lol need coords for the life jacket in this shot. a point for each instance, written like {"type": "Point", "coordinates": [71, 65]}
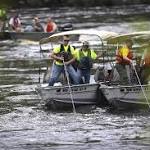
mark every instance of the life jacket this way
{"type": "Point", "coordinates": [120, 59]}
{"type": "Point", "coordinates": [15, 22]}
{"type": "Point", "coordinates": [147, 59]}
{"type": "Point", "coordinates": [85, 62]}
{"type": "Point", "coordinates": [49, 27]}
{"type": "Point", "coordinates": [66, 54]}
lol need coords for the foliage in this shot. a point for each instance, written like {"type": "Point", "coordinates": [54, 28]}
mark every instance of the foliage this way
{"type": "Point", "coordinates": [72, 3]}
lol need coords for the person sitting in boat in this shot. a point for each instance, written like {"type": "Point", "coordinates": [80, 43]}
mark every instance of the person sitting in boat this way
{"type": "Point", "coordinates": [84, 57]}
{"type": "Point", "coordinates": [51, 25]}
{"type": "Point", "coordinates": [64, 56]}
{"type": "Point", "coordinates": [107, 73]}
{"type": "Point", "coordinates": [15, 23]}
{"type": "Point", "coordinates": [145, 66]}
{"type": "Point", "coordinates": [37, 26]}
{"type": "Point", "coordinates": [124, 58]}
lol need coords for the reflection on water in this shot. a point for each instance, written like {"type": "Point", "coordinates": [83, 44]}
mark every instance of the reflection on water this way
{"type": "Point", "coordinates": [24, 125]}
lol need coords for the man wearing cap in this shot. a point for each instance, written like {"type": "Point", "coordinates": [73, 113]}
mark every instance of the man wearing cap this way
{"type": "Point", "coordinates": [64, 56]}
{"type": "Point", "coordinates": [84, 57]}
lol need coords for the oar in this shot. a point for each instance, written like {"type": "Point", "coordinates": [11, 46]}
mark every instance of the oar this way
{"type": "Point", "coordinates": [70, 90]}
{"type": "Point", "coordinates": [141, 86]}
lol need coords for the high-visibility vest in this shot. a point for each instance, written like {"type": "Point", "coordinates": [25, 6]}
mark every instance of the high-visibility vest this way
{"type": "Point", "coordinates": [66, 54]}
{"type": "Point", "coordinates": [120, 59]}
{"type": "Point", "coordinates": [85, 62]}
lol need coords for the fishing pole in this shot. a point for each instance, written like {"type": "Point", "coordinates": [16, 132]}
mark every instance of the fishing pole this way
{"type": "Point", "coordinates": [70, 90]}
{"type": "Point", "coordinates": [40, 65]}
{"type": "Point", "coordinates": [141, 86]}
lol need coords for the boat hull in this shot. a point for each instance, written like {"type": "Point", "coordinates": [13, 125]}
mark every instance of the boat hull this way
{"type": "Point", "coordinates": [33, 36]}
{"type": "Point", "coordinates": [127, 97]}
{"type": "Point", "coordinates": [4, 36]}
{"type": "Point", "coordinates": [63, 97]}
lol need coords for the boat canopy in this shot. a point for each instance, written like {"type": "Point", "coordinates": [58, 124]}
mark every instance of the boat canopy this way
{"type": "Point", "coordinates": [137, 37]}
{"type": "Point", "coordinates": [103, 35]}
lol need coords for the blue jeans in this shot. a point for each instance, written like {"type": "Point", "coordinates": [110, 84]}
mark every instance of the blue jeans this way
{"type": "Point", "coordinates": [58, 69]}
{"type": "Point", "coordinates": [84, 73]}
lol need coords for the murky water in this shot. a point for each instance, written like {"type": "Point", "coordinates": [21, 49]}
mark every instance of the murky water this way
{"type": "Point", "coordinates": [25, 125]}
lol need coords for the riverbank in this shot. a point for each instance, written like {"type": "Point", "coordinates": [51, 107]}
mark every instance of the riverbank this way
{"type": "Point", "coordinates": [79, 3]}
{"type": "Point", "coordinates": [74, 3]}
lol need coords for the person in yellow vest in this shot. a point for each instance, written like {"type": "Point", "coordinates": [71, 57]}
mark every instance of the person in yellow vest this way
{"type": "Point", "coordinates": [3, 18]}
{"type": "Point", "coordinates": [63, 56]}
{"type": "Point", "coordinates": [145, 66]}
{"type": "Point", "coordinates": [124, 58]}
{"type": "Point", "coordinates": [85, 57]}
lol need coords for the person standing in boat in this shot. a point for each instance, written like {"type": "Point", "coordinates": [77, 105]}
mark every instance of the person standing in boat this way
{"type": "Point", "coordinates": [85, 57]}
{"type": "Point", "coordinates": [3, 18]}
{"type": "Point", "coordinates": [64, 56]}
{"type": "Point", "coordinates": [51, 25]}
{"type": "Point", "coordinates": [145, 66]}
{"type": "Point", "coordinates": [15, 23]}
{"type": "Point", "coordinates": [124, 58]}
{"type": "Point", "coordinates": [37, 26]}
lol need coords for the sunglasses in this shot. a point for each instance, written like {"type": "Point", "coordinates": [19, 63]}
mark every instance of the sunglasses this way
{"type": "Point", "coordinates": [66, 40]}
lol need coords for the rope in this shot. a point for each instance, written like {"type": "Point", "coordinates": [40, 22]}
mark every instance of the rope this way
{"type": "Point", "coordinates": [141, 87]}
{"type": "Point", "coordinates": [70, 90]}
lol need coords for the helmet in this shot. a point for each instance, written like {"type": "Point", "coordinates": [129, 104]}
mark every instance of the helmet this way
{"type": "Point", "coordinates": [86, 43]}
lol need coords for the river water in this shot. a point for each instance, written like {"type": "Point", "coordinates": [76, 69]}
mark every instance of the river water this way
{"type": "Point", "coordinates": [24, 124]}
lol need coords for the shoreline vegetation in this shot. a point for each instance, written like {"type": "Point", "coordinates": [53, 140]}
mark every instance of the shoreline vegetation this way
{"type": "Point", "coordinates": [71, 3]}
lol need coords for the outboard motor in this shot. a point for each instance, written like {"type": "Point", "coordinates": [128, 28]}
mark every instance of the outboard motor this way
{"type": "Point", "coordinates": [65, 27]}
